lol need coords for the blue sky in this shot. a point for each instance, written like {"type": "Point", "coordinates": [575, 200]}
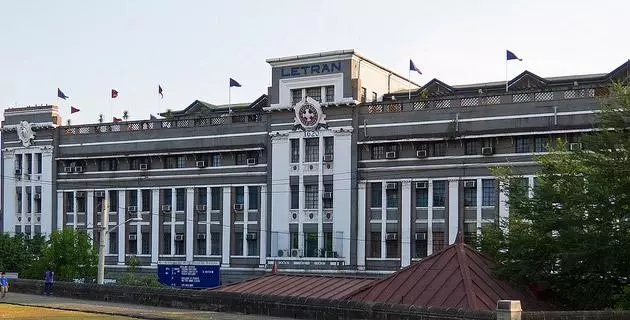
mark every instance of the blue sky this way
{"type": "Point", "coordinates": [192, 47]}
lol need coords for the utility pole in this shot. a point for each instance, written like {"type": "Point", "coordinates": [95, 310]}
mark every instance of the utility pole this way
{"type": "Point", "coordinates": [101, 237]}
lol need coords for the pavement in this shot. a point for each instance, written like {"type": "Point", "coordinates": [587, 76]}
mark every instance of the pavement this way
{"type": "Point", "coordinates": [122, 309]}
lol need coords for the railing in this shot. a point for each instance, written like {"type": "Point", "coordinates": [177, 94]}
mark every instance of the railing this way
{"type": "Point", "coordinates": [509, 98]}
{"type": "Point", "coordinates": [159, 124]}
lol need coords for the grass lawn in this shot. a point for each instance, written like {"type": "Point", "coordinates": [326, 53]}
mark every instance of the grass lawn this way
{"type": "Point", "coordinates": [9, 311]}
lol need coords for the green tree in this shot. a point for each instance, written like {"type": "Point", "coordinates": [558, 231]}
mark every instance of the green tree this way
{"type": "Point", "coordinates": [71, 255]}
{"type": "Point", "coordinates": [573, 235]}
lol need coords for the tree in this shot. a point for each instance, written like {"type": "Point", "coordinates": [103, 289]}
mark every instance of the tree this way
{"type": "Point", "coordinates": [572, 237]}
{"type": "Point", "coordinates": [168, 114]}
{"type": "Point", "coordinates": [71, 255]}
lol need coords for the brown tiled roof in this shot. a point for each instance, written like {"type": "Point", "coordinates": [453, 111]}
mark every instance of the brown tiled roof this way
{"type": "Point", "coordinates": [311, 286]}
{"type": "Point", "coordinates": [456, 277]}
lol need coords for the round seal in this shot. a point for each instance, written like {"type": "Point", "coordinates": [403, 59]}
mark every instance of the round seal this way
{"type": "Point", "coordinates": [308, 114]}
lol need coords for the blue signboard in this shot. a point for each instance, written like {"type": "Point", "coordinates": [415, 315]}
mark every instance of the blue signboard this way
{"type": "Point", "coordinates": [189, 276]}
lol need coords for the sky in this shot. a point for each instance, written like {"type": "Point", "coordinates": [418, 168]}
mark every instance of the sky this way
{"type": "Point", "coordinates": [191, 48]}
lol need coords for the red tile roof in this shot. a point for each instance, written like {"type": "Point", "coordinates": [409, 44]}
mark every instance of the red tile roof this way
{"type": "Point", "coordinates": [456, 277]}
{"type": "Point", "coordinates": [311, 286]}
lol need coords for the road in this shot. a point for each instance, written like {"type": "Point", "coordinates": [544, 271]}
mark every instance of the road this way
{"type": "Point", "coordinates": [130, 310]}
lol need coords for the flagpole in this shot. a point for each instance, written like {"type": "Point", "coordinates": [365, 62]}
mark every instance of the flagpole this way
{"type": "Point", "coordinates": [506, 75]}
{"type": "Point", "coordinates": [409, 83]}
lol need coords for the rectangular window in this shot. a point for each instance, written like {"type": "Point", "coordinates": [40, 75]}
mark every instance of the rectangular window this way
{"type": "Point", "coordinates": [471, 147]}
{"type": "Point", "coordinates": [171, 162]}
{"type": "Point", "coordinates": [238, 243]}
{"type": "Point", "coordinates": [29, 163]}
{"type": "Point", "coordinates": [422, 197]}
{"type": "Point", "coordinates": [179, 247]}
{"type": "Point", "coordinates": [181, 162]}
{"type": "Point", "coordinates": [18, 161]}
{"type": "Point", "coordinates": [239, 195]}
{"type": "Point", "coordinates": [375, 244]}
{"type": "Point", "coordinates": [363, 94]}
{"type": "Point", "coordinates": [215, 243]}
{"type": "Point", "coordinates": [133, 245]}
{"type": "Point", "coordinates": [19, 201]}
{"type": "Point", "coordinates": [113, 242]}
{"type": "Point", "coordinates": [38, 159]}
{"type": "Point", "coordinates": [133, 197]}
{"type": "Point", "coordinates": [201, 247]}
{"type": "Point", "coordinates": [421, 246]}
{"type": "Point", "coordinates": [315, 93]}
{"type": "Point", "coordinates": [376, 197]}
{"type": "Point", "coordinates": [134, 163]}
{"type": "Point", "coordinates": [146, 243]}
{"type": "Point", "coordinates": [470, 196]}
{"type": "Point", "coordinates": [107, 165]}
{"type": "Point", "coordinates": [241, 158]}
{"type": "Point", "coordinates": [167, 197]}
{"type": "Point", "coordinates": [311, 196]}
{"type": "Point", "coordinates": [69, 201]}
{"type": "Point", "coordinates": [329, 146]}
{"type": "Point", "coordinates": [80, 204]}
{"type": "Point", "coordinates": [29, 208]}
{"type": "Point", "coordinates": [215, 159]}
{"type": "Point", "coordinates": [202, 196]}
{"type": "Point", "coordinates": [295, 197]}
{"type": "Point", "coordinates": [374, 96]}
{"type": "Point", "coordinates": [296, 96]}
{"type": "Point", "coordinates": [113, 201]}
{"type": "Point", "coordinates": [216, 198]}
{"type": "Point", "coordinates": [311, 150]}
{"type": "Point", "coordinates": [330, 94]}
{"type": "Point", "coordinates": [254, 197]}
{"type": "Point", "coordinates": [252, 245]}
{"type": "Point", "coordinates": [392, 249]}
{"type": "Point", "coordinates": [146, 200]}
{"type": "Point", "coordinates": [522, 144]}
{"type": "Point", "coordinates": [295, 150]}
{"type": "Point", "coordinates": [392, 198]}
{"type": "Point", "coordinates": [180, 199]}
{"type": "Point", "coordinates": [327, 202]}
{"type": "Point", "coordinates": [378, 152]}
{"type": "Point", "coordinates": [540, 144]}
{"type": "Point", "coordinates": [38, 205]}
{"type": "Point", "coordinates": [439, 193]}
{"type": "Point", "coordinates": [294, 239]}
{"type": "Point", "coordinates": [439, 149]}
{"type": "Point", "coordinates": [489, 192]}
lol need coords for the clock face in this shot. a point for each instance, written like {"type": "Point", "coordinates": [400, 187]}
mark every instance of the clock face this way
{"type": "Point", "coordinates": [308, 115]}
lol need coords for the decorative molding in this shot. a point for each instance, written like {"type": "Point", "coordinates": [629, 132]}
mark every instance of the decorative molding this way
{"type": "Point", "coordinates": [36, 125]}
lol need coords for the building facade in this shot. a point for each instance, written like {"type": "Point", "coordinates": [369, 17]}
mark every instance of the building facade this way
{"type": "Point", "coordinates": [335, 169]}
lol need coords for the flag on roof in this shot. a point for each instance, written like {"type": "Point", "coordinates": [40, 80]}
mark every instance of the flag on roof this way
{"type": "Point", "coordinates": [152, 117]}
{"type": "Point", "coordinates": [412, 67]}
{"type": "Point", "coordinates": [114, 93]}
{"type": "Point", "coordinates": [511, 56]}
{"type": "Point", "coordinates": [61, 95]}
{"type": "Point", "coordinates": [234, 83]}
{"type": "Point", "coordinates": [117, 119]}
{"type": "Point", "coordinates": [73, 110]}
{"type": "Point", "coordinates": [160, 91]}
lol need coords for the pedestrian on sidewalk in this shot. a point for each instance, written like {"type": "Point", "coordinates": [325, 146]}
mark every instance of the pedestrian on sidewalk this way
{"type": "Point", "coordinates": [49, 278]}
{"type": "Point", "coordinates": [4, 284]}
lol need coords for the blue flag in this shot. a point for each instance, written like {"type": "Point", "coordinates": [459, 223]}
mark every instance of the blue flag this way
{"type": "Point", "coordinates": [234, 83]}
{"type": "Point", "coordinates": [511, 56]}
{"type": "Point", "coordinates": [61, 95]}
{"type": "Point", "coordinates": [412, 67]}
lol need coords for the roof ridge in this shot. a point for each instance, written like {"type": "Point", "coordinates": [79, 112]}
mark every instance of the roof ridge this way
{"type": "Point", "coordinates": [464, 269]}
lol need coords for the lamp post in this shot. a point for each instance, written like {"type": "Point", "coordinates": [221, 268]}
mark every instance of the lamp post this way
{"type": "Point", "coordinates": [104, 230]}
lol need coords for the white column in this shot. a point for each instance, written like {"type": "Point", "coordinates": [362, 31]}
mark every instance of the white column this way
{"type": "Point", "coordinates": [190, 197]}
{"type": "Point", "coordinates": [89, 215]}
{"type": "Point", "coordinates": [122, 217]}
{"type": "Point", "coordinates": [342, 193]}
{"type": "Point", "coordinates": [245, 218]}
{"type": "Point", "coordinates": [173, 215]}
{"type": "Point", "coordinates": [138, 225]}
{"type": "Point", "coordinates": [280, 193]}
{"type": "Point", "coordinates": [208, 215]}
{"type": "Point", "coordinates": [60, 211]}
{"type": "Point", "coordinates": [302, 206]}
{"type": "Point", "coordinates": [361, 225]}
{"type": "Point", "coordinates": [74, 207]}
{"type": "Point", "coordinates": [106, 234]}
{"type": "Point", "coordinates": [25, 199]}
{"type": "Point", "coordinates": [8, 189]}
{"type": "Point", "coordinates": [320, 194]}
{"type": "Point", "coordinates": [453, 210]}
{"type": "Point", "coordinates": [47, 192]}
{"type": "Point", "coordinates": [32, 182]}
{"type": "Point", "coordinates": [405, 224]}
{"type": "Point", "coordinates": [479, 185]}
{"type": "Point", "coordinates": [530, 183]}
{"type": "Point", "coordinates": [226, 226]}
{"type": "Point", "coordinates": [430, 219]}
{"type": "Point", "coordinates": [383, 219]}
{"type": "Point", "coordinates": [263, 226]}
{"type": "Point", "coordinates": [155, 226]}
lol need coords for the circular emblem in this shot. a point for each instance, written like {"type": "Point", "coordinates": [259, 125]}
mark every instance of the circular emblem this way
{"type": "Point", "coordinates": [308, 115]}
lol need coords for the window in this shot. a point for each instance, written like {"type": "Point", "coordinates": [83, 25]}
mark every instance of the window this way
{"type": "Point", "coordinates": [378, 152]}
{"type": "Point", "coordinates": [311, 196]}
{"type": "Point", "coordinates": [375, 244]}
{"type": "Point", "coordinates": [19, 201]}
{"type": "Point", "coordinates": [201, 247]}
{"type": "Point", "coordinates": [363, 94]}
{"type": "Point", "coordinates": [238, 243]}
{"type": "Point", "coordinates": [18, 161]}
{"type": "Point", "coordinates": [296, 96]}
{"type": "Point", "coordinates": [471, 147]}
{"type": "Point", "coordinates": [311, 150]}
{"type": "Point", "coordinates": [80, 204]}
{"type": "Point", "coordinates": [421, 246]}
{"type": "Point", "coordinates": [69, 201]}
{"type": "Point", "coordinates": [146, 243]}
{"type": "Point", "coordinates": [215, 243]}
{"type": "Point", "coordinates": [113, 242]}
{"type": "Point", "coordinates": [180, 199]}
{"type": "Point", "coordinates": [374, 96]}
{"type": "Point", "coordinates": [294, 239]}
{"type": "Point", "coordinates": [254, 197]}
{"type": "Point", "coordinates": [167, 197]}
{"type": "Point", "coordinates": [113, 201]}
{"type": "Point", "coordinates": [252, 245]}
{"type": "Point", "coordinates": [376, 197]}
{"type": "Point", "coordinates": [181, 161]}
{"type": "Point", "coordinates": [215, 160]}
{"type": "Point", "coordinates": [29, 163]}
{"type": "Point", "coordinates": [522, 144]}
{"type": "Point", "coordinates": [327, 202]}
{"type": "Point", "coordinates": [392, 249]}
{"type": "Point", "coordinates": [392, 198]}
{"type": "Point", "coordinates": [439, 149]}
{"type": "Point", "coordinates": [540, 144]}
{"type": "Point", "coordinates": [133, 245]}
{"type": "Point", "coordinates": [179, 246]}
{"type": "Point", "coordinates": [329, 146]}
{"type": "Point", "coordinates": [146, 200]}
{"type": "Point", "coordinates": [107, 165]}
{"type": "Point", "coordinates": [38, 205]}
{"type": "Point", "coordinates": [241, 158]}
{"type": "Point", "coordinates": [422, 198]}
{"type": "Point", "coordinates": [470, 197]}
{"type": "Point", "coordinates": [216, 198]}
{"type": "Point", "coordinates": [133, 197]}
{"type": "Point", "coordinates": [439, 240]}
{"type": "Point", "coordinates": [38, 159]}
{"type": "Point", "coordinates": [488, 190]}
{"type": "Point", "coordinates": [330, 93]}
{"type": "Point", "coordinates": [295, 197]}
{"type": "Point", "coordinates": [171, 162]}
{"type": "Point", "coordinates": [239, 195]}
{"type": "Point", "coordinates": [295, 150]}
{"type": "Point", "coordinates": [315, 93]}
{"type": "Point", "coordinates": [439, 193]}
{"type": "Point", "coordinates": [29, 208]}
{"type": "Point", "coordinates": [202, 196]}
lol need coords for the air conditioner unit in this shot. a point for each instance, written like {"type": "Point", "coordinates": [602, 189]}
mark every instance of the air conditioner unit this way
{"type": "Point", "coordinates": [422, 153]}
{"type": "Point", "coordinates": [328, 195]}
{"type": "Point", "coordinates": [487, 151]}
{"type": "Point", "coordinates": [422, 185]}
{"type": "Point", "coordinates": [421, 236]}
{"type": "Point", "coordinates": [283, 253]}
{"type": "Point", "coordinates": [18, 172]}
{"type": "Point", "coordinates": [99, 194]}
{"type": "Point", "coordinates": [251, 236]}
{"type": "Point", "coordinates": [575, 146]}
{"type": "Point", "coordinates": [200, 164]}
{"type": "Point", "coordinates": [166, 208]}
{"type": "Point", "coordinates": [391, 155]}
{"type": "Point", "coordinates": [201, 207]}
{"type": "Point", "coordinates": [65, 169]}
{"type": "Point", "coordinates": [238, 207]}
{"type": "Point", "coordinates": [179, 237]}
{"type": "Point", "coordinates": [201, 236]}
{"type": "Point", "coordinates": [132, 209]}
{"type": "Point", "coordinates": [80, 194]}
{"type": "Point", "coordinates": [37, 196]}
{"type": "Point", "coordinates": [470, 184]}
{"type": "Point", "coordinates": [144, 166]}
{"type": "Point", "coordinates": [296, 253]}
{"type": "Point", "coordinates": [133, 237]}
{"type": "Point", "coordinates": [251, 161]}
{"type": "Point", "coordinates": [391, 236]}
{"type": "Point", "coordinates": [391, 186]}
{"type": "Point", "coordinates": [328, 157]}
{"type": "Point", "coordinates": [78, 169]}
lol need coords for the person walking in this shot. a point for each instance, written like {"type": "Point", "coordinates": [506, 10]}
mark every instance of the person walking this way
{"type": "Point", "coordinates": [49, 278]}
{"type": "Point", "coordinates": [4, 284]}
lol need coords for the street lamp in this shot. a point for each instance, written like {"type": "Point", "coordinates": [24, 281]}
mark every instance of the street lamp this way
{"type": "Point", "coordinates": [103, 230]}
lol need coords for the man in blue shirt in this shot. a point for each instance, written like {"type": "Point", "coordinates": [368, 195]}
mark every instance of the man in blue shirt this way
{"type": "Point", "coordinates": [4, 284]}
{"type": "Point", "coordinates": [49, 278]}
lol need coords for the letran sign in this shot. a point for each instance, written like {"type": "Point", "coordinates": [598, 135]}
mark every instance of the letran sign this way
{"type": "Point", "coordinates": [189, 276]}
{"type": "Point", "coordinates": [311, 69]}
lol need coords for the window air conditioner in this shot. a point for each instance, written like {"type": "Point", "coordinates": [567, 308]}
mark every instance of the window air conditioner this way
{"type": "Point", "coordinates": [328, 157]}
{"type": "Point", "coordinates": [201, 207]}
{"type": "Point", "coordinates": [575, 146]}
{"type": "Point", "coordinates": [251, 161]}
{"type": "Point", "coordinates": [99, 194]}
{"type": "Point", "coordinates": [470, 184]}
{"type": "Point", "coordinates": [251, 236]}
{"type": "Point", "coordinates": [422, 153]}
{"type": "Point", "coordinates": [328, 195]}
{"type": "Point", "coordinates": [200, 164]}
{"type": "Point", "coordinates": [144, 166]}
{"type": "Point", "coordinates": [65, 169]}
{"type": "Point", "coordinates": [78, 169]}
{"type": "Point", "coordinates": [391, 236]}
{"type": "Point", "coordinates": [238, 207]}
{"type": "Point", "coordinates": [201, 236]}
{"type": "Point", "coordinates": [296, 253]}
{"type": "Point", "coordinates": [132, 209]}
{"type": "Point", "coordinates": [422, 185]}
{"type": "Point", "coordinates": [391, 186]}
{"type": "Point", "coordinates": [179, 237]}
{"type": "Point", "coordinates": [421, 236]}
{"type": "Point", "coordinates": [391, 155]}
{"type": "Point", "coordinates": [133, 237]}
{"type": "Point", "coordinates": [487, 151]}
{"type": "Point", "coordinates": [166, 208]}
{"type": "Point", "coordinates": [80, 194]}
